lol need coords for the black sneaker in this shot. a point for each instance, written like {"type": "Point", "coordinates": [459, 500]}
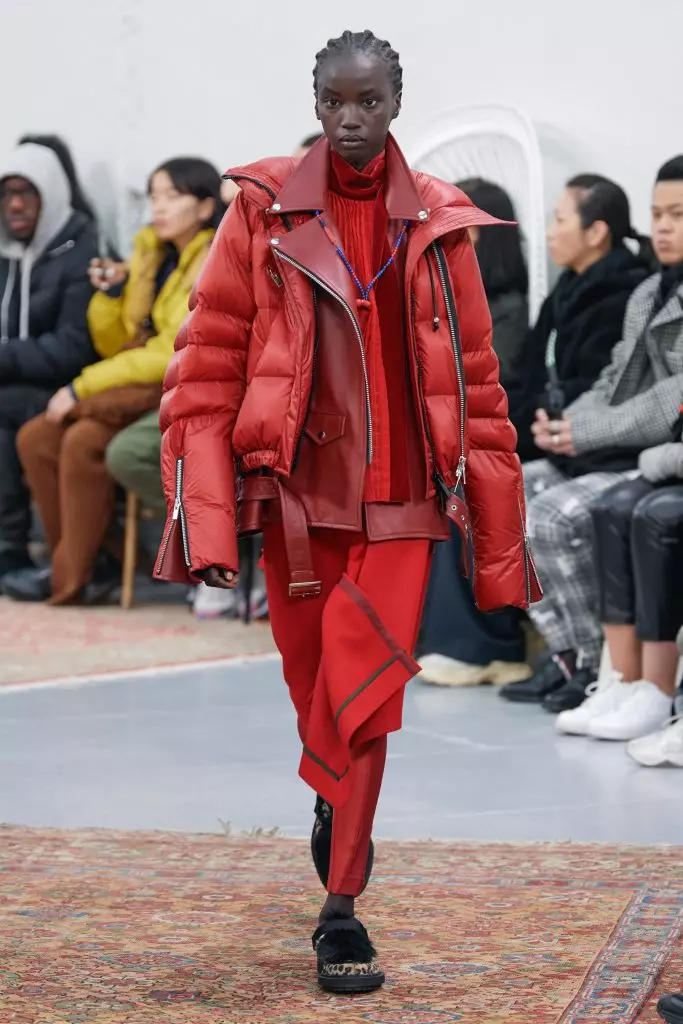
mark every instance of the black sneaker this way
{"type": "Point", "coordinates": [670, 1008]}
{"type": "Point", "coordinates": [14, 560]}
{"type": "Point", "coordinates": [28, 584]}
{"type": "Point", "coordinates": [551, 676]}
{"type": "Point", "coordinates": [572, 694]}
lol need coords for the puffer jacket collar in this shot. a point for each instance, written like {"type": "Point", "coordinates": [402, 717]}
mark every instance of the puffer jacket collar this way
{"type": "Point", "coordinates": [283, 185]}
{"type": "Point", "coordinates": [306, 188]}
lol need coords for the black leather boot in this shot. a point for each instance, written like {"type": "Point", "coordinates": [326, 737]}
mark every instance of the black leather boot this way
{"type": "Point", "coordinates": [571, 694]}
{"type": "Point", "coordinates": [551, 676]}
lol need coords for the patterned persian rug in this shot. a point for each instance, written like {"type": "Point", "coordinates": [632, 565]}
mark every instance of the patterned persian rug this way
{"type": "Point", "coordinates": [145, 928]}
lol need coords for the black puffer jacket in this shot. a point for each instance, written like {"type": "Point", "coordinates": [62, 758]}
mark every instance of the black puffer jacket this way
{"type": "Point", "coordinates": [44, 287]}
{"type": "Point", "coordinates": [587, 311]}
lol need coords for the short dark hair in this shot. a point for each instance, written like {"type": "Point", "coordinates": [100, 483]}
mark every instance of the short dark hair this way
{"type": "Point", "coordinates": [56, 143]}
{"type": "Point", "coordinates": [193, 176]}
{"type": "Point", "coordinates": [369, 45]}
{"type": "Point", "coordinates": [499, 247]}
{"type": "Point", "coordinates": [672, 170]}
{"type": "Point", "coordinates": [310, 140]}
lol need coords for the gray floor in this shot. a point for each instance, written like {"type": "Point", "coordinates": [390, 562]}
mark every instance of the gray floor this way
{"type": "Point", "coordinates": [197, 749]}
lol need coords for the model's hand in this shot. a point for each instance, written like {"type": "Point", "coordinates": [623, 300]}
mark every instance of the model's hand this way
{"type": "Point", "coordinates": [217, 576]}
{"type": "Point", "coordinates": [105, 274]}
{"type": "Point", "coordinates": [61, 403]}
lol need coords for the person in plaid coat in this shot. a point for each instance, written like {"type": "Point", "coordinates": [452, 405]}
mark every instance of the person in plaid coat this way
{"type": "Point", "coordinates": [633, 405]}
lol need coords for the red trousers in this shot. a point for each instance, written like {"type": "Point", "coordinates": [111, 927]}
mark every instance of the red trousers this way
{"type": "Point", "coordinates": [346, 660]}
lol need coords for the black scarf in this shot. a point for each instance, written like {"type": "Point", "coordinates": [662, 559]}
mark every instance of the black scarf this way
{"type": "Point", "coordinates": [672, 279]}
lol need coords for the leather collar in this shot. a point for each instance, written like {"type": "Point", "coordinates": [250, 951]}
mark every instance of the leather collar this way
{"type": "Point", "coordinates": [306, 188]}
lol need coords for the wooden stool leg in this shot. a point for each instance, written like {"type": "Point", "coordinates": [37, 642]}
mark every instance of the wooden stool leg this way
{"type": "Point", "coordinates": [130, 550]}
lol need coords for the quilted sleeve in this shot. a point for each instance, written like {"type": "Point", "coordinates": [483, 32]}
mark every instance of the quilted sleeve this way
{"type": "Point", "coordinates": [504, 573]}
{"type": "Point", "coordinates": [204, 388]}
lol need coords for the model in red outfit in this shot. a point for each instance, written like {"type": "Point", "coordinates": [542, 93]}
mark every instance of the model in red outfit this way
{"type": "Point", "coordinates": [335, 387]}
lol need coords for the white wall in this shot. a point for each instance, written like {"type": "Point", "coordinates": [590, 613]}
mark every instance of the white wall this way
{"type": "Point", "coordinates": [131, 82]}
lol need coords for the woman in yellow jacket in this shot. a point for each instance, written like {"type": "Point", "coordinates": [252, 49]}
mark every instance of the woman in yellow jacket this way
{"type": "Point", "coordinates": [133, 318]}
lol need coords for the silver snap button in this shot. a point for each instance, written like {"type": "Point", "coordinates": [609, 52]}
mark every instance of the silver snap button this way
{"type": "Point", "coordinates": [322, 435]}
{"type": "Point", "coordinates": [276, 207]}
{"type": "Point", "coordinates": [275, 241]}
{"type": "Point", "coordinates": [423, 215]}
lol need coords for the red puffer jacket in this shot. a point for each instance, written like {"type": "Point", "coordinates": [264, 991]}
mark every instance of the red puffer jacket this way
{"type": "Point", "coordinates": [237, 390]}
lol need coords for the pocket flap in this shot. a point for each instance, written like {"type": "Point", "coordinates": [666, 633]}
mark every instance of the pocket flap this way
{"type": "Point", "coordinates": [323, 427]}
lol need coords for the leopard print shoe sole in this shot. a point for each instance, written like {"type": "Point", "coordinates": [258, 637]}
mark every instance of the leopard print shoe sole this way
{"type": "Point", "coordinates": [347, 959]}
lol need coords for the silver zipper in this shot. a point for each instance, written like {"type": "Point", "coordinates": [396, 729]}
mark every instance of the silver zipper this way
{"type": "Point", "coordinates": [359, 337]}
{"type": "Point", "coordinates": [179, 511]}
{"type": "Point", "coordinates": [455, 342]}
{"type": "Point", "coordinates": [528, 560]}
{"type": "Point", "coordinates": [178, 515]}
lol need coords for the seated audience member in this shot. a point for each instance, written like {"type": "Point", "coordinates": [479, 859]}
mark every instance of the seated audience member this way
{"type": "Point", "coordinates": [581, 320]}
{"type": "Point", "coordinates": [45, 250]}
{"type": "Point", "coordinates": [632, 406]}
{"type": "Point", "coordinates": [133, 457]}
{"type": "Point", "coordinates": [466, 646]}
{"type": "Point", "coordinates": [503, 271]}
{"type": "Point", "coordinates": [639, 560]}
{"type": "Point", "coordinates": [133, 320]}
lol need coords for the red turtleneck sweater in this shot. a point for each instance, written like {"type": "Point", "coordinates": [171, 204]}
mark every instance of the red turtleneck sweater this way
{"type": "Point", "coordinates": [356, 203]}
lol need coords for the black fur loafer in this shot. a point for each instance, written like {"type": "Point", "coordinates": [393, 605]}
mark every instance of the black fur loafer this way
{"type": "Point", "coordinates": [347, 960]}
{"type": "Point", "coordinates": [321, 843]}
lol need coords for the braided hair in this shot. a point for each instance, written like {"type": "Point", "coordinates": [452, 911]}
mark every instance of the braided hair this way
{"type": "Point", "coordinates": [369, 45]}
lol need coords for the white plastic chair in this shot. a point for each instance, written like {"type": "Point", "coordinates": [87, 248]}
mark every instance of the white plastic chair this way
{"type": "Point", "coordinates": [500, 144]}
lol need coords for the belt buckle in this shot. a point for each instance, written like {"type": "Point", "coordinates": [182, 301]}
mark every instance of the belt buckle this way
{"type": "Point", "coordinates": [310, 589]}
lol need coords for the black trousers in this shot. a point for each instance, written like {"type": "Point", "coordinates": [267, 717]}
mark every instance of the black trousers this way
{"type": "Point", "coordinates": [639, 555]}
{"type": "Point", "coordinates": [19, 403]}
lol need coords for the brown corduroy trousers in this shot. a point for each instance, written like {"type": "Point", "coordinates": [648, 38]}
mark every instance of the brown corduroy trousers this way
{"type": "Point", "coordinates": [68, 479]}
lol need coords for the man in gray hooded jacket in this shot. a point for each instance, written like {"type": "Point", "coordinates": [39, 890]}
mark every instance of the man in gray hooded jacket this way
{"type": "Point", "coordinates": [45, 250]}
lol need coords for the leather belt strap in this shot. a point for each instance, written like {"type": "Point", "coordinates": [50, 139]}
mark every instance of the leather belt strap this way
{"type": "Point", "coordinates": [302, 581]}
{"type": "Point", "coordinates": [257, 488]}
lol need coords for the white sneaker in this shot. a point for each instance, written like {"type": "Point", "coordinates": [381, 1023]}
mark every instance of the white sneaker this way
{"type": "Point", "coordinates": [212, 602]}
{"type": "Point", "coordinates": [442, 671]}
{"type": "Point", "coordinates": [645, 709]}
{"type": "Point", "coordinates": [601, 699]}
{"type": "Point", "coordinates": [662, 748]}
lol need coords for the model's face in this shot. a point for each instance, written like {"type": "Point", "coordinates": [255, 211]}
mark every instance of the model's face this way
{"type": "Point", "coordinates": [19, 208]}
{"type": "Point", "coordinates": [667, 222]}
{"type": "Point", "coordinates": [356, 106]}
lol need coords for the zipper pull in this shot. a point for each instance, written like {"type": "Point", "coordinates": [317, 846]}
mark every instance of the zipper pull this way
{"type": "Point", "coordinates": [461, 472]}
{"type": "Point", "coordinates": [176, 508]}
{"type": "Point", "coordinates": [435, 323]}
{"type": "Point", "coordinates": [275, 277]}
